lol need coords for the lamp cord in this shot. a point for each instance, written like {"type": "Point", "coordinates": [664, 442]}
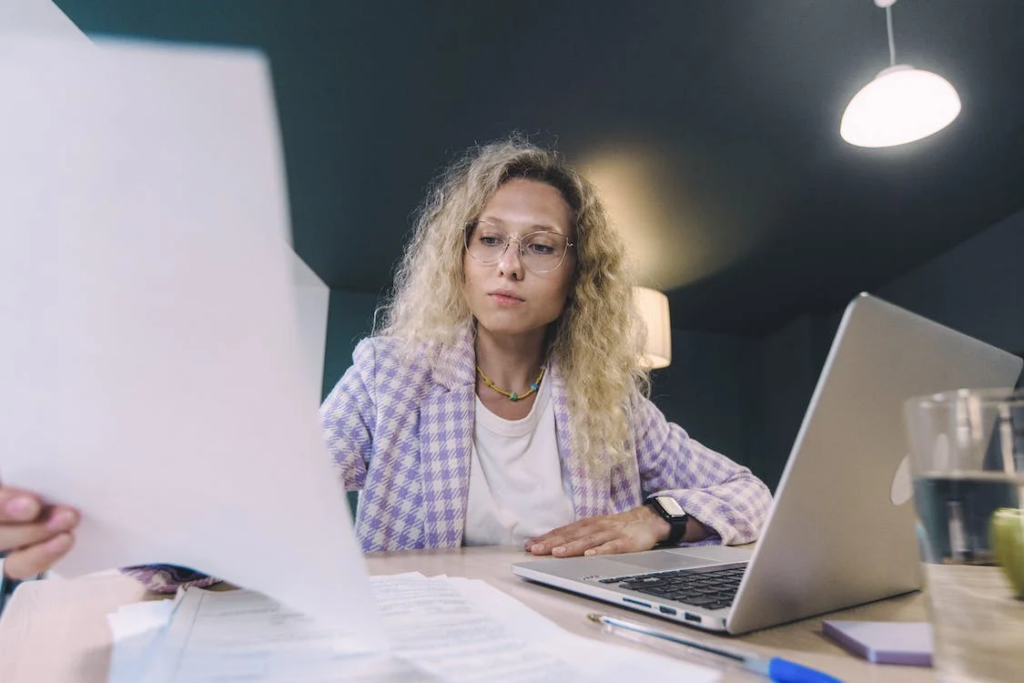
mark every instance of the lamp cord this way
{"type": "Point", "coordinates": [892, 44]}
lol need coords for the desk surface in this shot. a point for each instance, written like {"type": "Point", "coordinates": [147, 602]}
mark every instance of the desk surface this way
{"type": "Point", "coordinates": [56, 630]}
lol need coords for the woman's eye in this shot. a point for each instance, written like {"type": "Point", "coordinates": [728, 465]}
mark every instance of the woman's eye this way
{"type": "Point", "coordinates": [541, 248]}
{"type": "Point", "coordinates": [490, 240]}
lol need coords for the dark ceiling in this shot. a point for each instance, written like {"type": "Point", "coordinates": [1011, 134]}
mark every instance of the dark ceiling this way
{"type": "Point", "coordinates": [713, 123]}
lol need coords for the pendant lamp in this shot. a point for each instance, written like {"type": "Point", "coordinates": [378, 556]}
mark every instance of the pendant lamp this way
{"type": "Point", "coordinates": [901, 105]}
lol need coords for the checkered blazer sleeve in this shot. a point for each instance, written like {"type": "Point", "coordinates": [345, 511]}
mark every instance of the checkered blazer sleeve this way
{"type": "Point", "coordinates": [168, 578]}
{"type": "Point", "coordinates": [710, 487]}
{"type": "Point", "coordinates": [349, 415]}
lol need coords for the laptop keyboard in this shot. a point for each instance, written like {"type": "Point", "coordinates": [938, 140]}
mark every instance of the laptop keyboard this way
{"type": "Point", "coordinates": [709, 587]}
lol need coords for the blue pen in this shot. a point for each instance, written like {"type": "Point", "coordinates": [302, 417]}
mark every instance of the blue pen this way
{"type": "Point", "coordinates": [776, 668]}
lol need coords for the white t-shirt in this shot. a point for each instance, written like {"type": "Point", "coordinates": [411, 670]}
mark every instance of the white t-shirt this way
{"type": "Point", "coordinates": [516, 487]}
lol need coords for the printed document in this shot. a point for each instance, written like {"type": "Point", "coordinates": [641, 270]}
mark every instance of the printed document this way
{"type": "Point", "coordinates": [447, 629]}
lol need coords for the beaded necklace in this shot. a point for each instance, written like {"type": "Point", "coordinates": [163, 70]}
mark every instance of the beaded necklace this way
{"type": "Point", "coordinates": [511, 395]}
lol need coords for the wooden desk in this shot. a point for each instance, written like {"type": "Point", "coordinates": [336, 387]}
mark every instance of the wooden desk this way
{"type": "Point", "coordinates": [55, 631]}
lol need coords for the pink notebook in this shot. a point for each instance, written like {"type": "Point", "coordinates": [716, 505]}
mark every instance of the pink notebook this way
{"type": "Point", "coordinates": [884, 642]}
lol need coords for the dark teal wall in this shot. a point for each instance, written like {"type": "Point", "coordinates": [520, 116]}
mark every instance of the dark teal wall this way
{"type": "Point", "coordinates": [977, 288]}
{"type": "Point", "coordinates": [784, 369]}
{"type": "Point", "coordinates": [703, 389]}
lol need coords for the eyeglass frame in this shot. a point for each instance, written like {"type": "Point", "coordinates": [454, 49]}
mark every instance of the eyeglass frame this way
{"type": "Point", "coordinates": [471, 226]}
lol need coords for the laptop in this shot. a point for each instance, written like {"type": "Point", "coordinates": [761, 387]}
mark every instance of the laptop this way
{"type": "Point", "coordinates": [841, 530]}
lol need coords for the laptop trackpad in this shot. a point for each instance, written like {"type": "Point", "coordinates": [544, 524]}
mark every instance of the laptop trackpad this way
{"type": "Point", "coordinates": [662, 559]}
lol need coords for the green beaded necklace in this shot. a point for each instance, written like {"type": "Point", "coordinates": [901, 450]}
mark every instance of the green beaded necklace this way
{"type": "Point", "coordinates": [511, 395]}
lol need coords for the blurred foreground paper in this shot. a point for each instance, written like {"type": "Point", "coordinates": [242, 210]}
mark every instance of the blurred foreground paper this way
{"type": "Point", "coordinates": [150, 349]}
{"type": "Point", "coordinates": [38, 18]}
{"type": "Point", "coordinates": [313, 298]}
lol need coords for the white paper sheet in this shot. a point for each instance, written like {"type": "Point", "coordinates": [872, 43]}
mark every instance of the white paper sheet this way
{"type": "Point", "coordinates": [152, 366]}
{"type": "Point", "coordinates": [42, 19]}
{"type": "Point", "coordinates": [133, 629]}
{"type": "Point", "coordinates": [597, 661]}
{"type": "Point", "coordinates": [39, 18]}
{"type": "Point", "coordinates": [313, 304]}
{"type": "Point", "coordinates": [450, 629]}
{"type": "Point", "coordinates": [241, 635]}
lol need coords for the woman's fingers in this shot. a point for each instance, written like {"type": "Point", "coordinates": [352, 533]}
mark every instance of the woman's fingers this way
{"type": "Point", "coordinates": [20, 535]}
{"type": "Point", "coordinates": [559, 537]}
{"type": "Point", "coordinates": [554, 533]}
{"type": "Point", "coordinates": [35, 559]}
{"type": "Point", "coordinates": [33, 535]}
{"type": "Point", "coordinates": [18, 506]}
{"type": "Point", "coordinates": [580, 545]}
{"type": "Point", "coordinates": [613, 547]}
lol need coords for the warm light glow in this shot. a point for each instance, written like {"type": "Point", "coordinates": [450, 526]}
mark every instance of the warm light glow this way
{"type": "Point", "coordinates": [653, 307]}
{"type": "Point", "coordinates": [901, 105]}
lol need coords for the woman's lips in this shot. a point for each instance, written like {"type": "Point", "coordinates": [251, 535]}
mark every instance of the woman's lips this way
{"type": "Point", "coordinates": [505, 298]}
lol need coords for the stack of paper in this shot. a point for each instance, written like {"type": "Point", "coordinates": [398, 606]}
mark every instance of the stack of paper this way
{"type": "Point", "coordinates": [134, 628]}
{"type": "Point", "coordinates": [445, 629]}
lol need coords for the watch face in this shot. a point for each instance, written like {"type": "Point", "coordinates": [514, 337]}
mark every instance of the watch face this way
{"type": "Point", "coordinates": [670, 506]}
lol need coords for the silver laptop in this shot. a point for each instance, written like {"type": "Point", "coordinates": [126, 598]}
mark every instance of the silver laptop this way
{"type": "Point", "coordinates": [841, 530]}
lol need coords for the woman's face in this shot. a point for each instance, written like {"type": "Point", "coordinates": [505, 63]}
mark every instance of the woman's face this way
{"type": "Point", "coordinates": [508, 296]}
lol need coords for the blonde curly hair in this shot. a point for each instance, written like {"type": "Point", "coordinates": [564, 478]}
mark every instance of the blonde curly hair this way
{"type": "Point", "coordinates": [598, 339]}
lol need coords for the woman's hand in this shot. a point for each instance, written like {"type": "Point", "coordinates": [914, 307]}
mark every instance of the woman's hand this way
{"type": "Point", "coordinates": [626, 532]}
{"type": "Point", "coordinates": [33, 535]}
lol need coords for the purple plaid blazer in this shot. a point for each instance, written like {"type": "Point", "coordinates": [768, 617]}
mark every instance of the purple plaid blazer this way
{"type": "Point", "coordinates": [400, 431]}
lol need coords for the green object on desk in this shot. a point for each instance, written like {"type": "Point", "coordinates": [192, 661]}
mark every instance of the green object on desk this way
{"type": "Point", "coordinates": [775, 668]}
{"type": "Point", "coordinates": [1007, 536]}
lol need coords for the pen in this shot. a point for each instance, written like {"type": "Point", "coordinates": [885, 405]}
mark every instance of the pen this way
{"type": "Point", "coordinates": [777, 669]}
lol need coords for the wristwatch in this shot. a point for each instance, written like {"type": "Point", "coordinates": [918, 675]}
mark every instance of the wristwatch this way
{"type": "Point", "coordinates": [669, 510]}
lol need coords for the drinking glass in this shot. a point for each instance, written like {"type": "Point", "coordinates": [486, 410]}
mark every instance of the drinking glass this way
{"type": "Point", "coordinates": [967, 459]}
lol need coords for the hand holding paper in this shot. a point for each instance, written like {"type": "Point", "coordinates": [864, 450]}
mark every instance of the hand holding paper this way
{"type": "Point", "coordinates": [34, 536]}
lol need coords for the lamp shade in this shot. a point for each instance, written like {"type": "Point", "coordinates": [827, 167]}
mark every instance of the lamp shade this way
{"type": "Point", "coordinates": [653, 307]}
{"type": "Point", "coordinates": [901, 105]}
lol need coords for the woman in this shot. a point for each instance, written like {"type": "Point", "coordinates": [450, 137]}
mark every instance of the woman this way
{"type": "Point", "coordinates": [503, 399]}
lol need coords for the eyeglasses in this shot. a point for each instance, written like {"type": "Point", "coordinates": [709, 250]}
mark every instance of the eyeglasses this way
{"type": "Point", "coordinates": [541, 251]}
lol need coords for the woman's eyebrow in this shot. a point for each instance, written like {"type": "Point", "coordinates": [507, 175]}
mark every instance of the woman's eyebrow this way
{"type": "Point", "coordinates": [536, 227]}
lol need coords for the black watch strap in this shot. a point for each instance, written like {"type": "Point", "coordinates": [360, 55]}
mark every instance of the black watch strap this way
{"type": "Point", "coordinates": [677, 520]}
